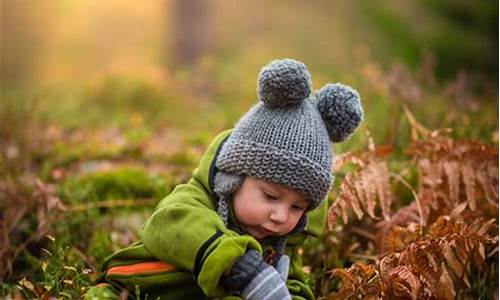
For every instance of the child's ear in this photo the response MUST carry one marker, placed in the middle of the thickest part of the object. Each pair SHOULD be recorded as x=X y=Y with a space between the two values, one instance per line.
x=340 y=108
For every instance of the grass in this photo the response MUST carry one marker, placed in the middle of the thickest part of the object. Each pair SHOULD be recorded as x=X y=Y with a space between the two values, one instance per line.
x=109 y=148
x=130 y=138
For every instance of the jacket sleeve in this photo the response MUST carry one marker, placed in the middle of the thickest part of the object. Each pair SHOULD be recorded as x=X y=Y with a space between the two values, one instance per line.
x=186 y=231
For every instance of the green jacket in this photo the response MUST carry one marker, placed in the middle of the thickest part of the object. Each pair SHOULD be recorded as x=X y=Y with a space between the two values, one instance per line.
x=185 y=247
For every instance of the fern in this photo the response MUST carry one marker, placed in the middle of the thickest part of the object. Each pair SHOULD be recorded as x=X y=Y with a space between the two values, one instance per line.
x=425 y=268
x=361 y=189
x=429 y=248
x=357 y=281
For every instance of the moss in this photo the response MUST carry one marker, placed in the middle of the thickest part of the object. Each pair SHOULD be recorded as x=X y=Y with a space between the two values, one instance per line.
x=125 y=183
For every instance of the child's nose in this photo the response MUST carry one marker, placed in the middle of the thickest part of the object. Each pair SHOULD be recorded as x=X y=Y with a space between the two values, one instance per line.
x=279 y=214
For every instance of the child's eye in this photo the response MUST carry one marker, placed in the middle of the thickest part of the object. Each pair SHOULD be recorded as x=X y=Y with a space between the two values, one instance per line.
x=298 y=207
x=270 y=196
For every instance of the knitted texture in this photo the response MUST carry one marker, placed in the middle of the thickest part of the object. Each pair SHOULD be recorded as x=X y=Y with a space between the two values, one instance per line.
x=283 y=266
x=289 y=146
x=286 y=138
x=284 y=82
x=244 y=270
x=224 y=186
x=255 y=279
x=339 y=104
x=267 y=285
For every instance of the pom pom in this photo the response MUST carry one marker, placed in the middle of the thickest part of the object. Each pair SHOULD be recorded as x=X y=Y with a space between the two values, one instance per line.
x=283 y=83
x=340 y=108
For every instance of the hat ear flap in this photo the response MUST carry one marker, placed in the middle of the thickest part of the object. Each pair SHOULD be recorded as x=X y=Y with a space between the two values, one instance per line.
x=340 y=108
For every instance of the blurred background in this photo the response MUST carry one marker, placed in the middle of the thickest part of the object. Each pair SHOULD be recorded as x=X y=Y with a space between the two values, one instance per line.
x=75 y=62
x=107 y=100
x=59 y=41
x=89 y=64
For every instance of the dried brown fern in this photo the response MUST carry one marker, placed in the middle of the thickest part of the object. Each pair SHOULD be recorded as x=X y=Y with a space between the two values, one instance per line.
x=361 y=189
x=449 y=172
x=17 y=199
x=429 y=248
x=430 y=267
x=454 y=171
x=360 y=280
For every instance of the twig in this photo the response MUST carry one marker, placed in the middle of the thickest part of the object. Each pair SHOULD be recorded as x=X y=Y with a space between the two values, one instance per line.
x=33 y=237
x=364 y=233
x=91 y=262
x=417 y=200
x=415 y=125
x=110 y=203
x=363 y=256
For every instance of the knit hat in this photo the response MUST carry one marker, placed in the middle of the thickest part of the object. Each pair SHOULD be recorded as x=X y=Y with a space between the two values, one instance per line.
x=286 y=137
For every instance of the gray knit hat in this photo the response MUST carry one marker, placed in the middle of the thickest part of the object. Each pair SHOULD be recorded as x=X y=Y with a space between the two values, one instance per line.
x=286 y=137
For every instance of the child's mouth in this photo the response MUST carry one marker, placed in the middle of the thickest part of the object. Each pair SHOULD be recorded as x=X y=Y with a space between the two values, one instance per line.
x=260 y=232
x=266 y=232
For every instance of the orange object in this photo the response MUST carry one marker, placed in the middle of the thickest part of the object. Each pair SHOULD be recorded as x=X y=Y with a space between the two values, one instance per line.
x=145 y=267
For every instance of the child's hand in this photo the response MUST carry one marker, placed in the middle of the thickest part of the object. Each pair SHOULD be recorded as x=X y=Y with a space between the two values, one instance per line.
x=267 y=284
x=257 y=280
x=282 y=266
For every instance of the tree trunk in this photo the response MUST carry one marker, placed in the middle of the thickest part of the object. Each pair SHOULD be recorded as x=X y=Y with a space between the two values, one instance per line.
x=191 y=32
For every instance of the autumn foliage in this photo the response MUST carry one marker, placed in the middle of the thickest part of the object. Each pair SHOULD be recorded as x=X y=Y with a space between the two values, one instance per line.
x=434 y=246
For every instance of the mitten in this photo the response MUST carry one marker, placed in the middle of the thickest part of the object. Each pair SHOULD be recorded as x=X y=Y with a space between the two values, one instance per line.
x=255 y=279
x=282 y=266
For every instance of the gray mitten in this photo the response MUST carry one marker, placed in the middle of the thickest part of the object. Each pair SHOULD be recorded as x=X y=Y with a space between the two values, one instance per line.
x=282 y=266
x=255 y=279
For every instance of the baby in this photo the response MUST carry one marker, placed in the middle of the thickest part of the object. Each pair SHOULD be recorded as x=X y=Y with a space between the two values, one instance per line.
x=234 y=229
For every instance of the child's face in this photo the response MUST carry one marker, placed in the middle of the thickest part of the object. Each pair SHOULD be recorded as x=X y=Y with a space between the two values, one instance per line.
x=264 y=208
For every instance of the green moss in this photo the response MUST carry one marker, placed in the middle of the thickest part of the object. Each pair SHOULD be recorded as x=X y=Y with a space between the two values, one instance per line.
x=125 y=183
